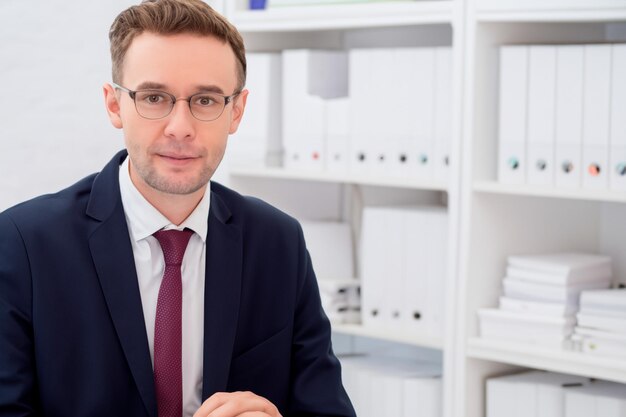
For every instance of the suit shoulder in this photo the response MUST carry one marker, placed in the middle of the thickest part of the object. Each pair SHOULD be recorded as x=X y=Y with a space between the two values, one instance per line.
x=52 y=207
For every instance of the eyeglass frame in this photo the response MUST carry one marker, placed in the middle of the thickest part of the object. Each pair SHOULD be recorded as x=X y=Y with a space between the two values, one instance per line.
x=174 y=99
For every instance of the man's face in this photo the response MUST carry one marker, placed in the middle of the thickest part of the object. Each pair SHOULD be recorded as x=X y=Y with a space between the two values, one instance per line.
x=179 y=153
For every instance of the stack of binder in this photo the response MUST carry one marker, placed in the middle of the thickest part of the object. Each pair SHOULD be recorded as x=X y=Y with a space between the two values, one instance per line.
x=543 y=89
x=540 y=297
x=417 y=143
x=597 y=399
x=602 y=323
x=404 y=252
x=530 y=394
x=385 y=386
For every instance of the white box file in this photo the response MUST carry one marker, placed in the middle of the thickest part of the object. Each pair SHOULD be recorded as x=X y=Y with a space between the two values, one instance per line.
x=404 y=268
x=402 y=135
x=617 y=154
x=258 y=140
x=310 y=78
x=421 y=85
x=382 y=264
x=384 y=386
x=569 y=116
x=596 y=116
x=338 y=135
x=369 y=117
x=541 y=115
x=597 y=399
x=425 y=271
x=331 y=248
x=396 y=137
x=443 y=113
x=530 y=394
x=512 y=119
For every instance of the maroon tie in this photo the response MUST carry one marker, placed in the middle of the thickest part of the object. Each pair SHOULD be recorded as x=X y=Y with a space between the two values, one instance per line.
x=168 y=370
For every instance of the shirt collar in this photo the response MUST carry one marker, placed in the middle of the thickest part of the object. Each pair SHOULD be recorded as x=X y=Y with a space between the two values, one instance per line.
x=144 y=219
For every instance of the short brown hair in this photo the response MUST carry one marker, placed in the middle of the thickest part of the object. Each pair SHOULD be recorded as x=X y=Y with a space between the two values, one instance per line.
x=170 y=17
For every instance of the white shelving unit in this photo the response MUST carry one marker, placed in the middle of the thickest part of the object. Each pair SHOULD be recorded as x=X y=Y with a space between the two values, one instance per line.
x=548 y=359
x=492 y=187
x=500 y=220
x=341 y=16
x=343 y=196
x=488 y=221
x=388 y=335
x=331 y=177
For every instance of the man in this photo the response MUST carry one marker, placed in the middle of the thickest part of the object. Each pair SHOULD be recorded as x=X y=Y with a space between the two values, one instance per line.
x=146 y=290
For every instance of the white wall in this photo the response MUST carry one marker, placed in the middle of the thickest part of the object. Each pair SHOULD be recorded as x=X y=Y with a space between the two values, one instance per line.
x=53 y=62
x=54 y=59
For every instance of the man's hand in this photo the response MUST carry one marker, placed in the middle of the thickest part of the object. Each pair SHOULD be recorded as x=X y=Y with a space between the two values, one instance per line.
x=237 y=404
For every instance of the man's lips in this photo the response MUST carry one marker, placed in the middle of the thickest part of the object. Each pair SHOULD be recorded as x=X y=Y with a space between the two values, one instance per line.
x=176 y=158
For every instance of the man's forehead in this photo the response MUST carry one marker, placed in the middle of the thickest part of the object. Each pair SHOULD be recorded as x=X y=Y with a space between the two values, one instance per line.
x=202 y=61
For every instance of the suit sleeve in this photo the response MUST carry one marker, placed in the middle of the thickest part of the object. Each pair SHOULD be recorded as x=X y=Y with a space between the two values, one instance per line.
x=317 y=389
x=17 y=363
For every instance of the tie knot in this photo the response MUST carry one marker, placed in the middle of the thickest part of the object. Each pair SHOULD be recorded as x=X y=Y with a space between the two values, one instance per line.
x=173 y=244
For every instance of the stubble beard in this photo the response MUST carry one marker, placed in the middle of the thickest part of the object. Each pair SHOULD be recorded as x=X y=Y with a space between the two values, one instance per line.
x=164 y=184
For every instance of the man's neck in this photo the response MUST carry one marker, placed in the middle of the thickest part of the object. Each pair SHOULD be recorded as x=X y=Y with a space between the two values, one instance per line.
x=175 y=207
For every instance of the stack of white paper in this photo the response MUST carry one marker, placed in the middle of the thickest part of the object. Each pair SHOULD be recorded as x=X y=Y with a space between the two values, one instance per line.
x=331 y=249
x=382 y=386
x=530 y=394
x=341 y=300
x=597 y=399
x=540 y=297
x=602 y=322
x=404 y=268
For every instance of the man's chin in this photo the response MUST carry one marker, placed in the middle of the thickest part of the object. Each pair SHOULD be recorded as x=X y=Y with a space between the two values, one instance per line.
x=177 y=188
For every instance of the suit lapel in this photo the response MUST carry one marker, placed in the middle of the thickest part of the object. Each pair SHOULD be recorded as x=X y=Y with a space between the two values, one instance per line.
x=224 y=256
x=112 y=254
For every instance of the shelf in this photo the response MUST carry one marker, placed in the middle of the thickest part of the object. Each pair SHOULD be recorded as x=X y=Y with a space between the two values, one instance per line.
x=343 y=16
x=492 y=187
x=574 y=363
x=551 y=11
x=322 y=176
x=391 y=336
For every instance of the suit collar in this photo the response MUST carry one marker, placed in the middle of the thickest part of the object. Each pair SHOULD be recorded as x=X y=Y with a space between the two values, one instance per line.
x=224 y=261
x=112 y=254
x=218 y=207
x=105 y=191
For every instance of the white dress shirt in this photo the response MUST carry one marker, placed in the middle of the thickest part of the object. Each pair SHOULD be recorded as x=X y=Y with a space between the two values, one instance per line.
x=143 y=220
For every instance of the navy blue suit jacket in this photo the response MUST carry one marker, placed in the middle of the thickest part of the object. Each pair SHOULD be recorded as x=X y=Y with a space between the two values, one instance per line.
x=72 y=335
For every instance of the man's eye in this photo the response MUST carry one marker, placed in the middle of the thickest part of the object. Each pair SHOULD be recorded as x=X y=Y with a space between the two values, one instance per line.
x=205 y=101
x=152 y=98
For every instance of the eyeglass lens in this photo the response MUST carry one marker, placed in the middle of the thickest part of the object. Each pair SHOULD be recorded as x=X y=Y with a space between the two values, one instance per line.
x=154 y=104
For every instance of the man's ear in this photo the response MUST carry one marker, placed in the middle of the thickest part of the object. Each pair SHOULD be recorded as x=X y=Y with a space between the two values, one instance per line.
x=239 y=105
x=112 y=105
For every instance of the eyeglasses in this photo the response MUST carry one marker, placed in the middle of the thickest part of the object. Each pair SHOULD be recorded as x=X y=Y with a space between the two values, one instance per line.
x=155 y=104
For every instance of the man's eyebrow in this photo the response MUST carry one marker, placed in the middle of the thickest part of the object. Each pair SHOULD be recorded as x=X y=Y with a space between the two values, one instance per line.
x=150 y=85
x=209 y=89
